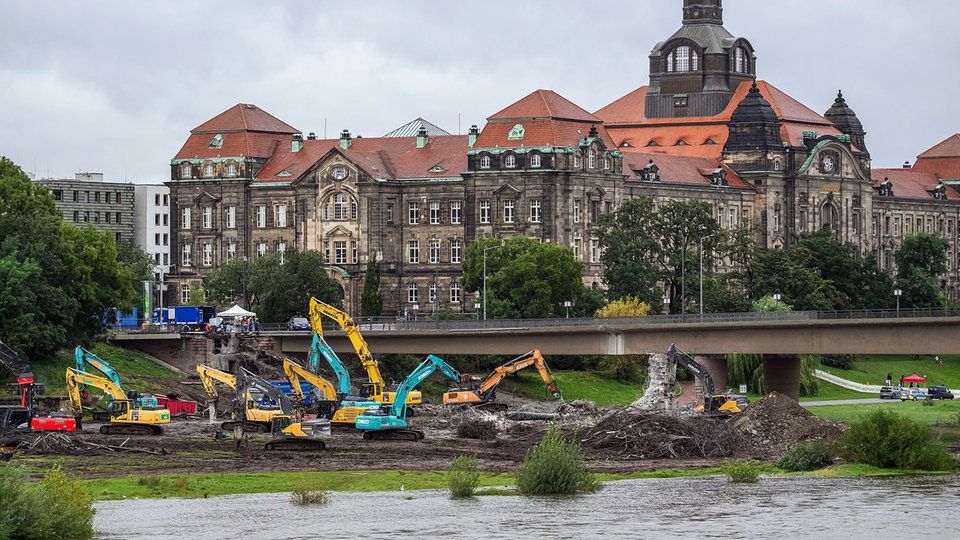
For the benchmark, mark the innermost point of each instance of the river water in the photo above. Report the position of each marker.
(708, 507)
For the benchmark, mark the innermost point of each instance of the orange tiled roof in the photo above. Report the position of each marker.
(393, 158)
(626, 122)
(245, 130)
(544, 104)
(911, 184)
(942, 160)
(548, 119)
(673, 169)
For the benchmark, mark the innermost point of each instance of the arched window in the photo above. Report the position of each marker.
(535, 160)
(741, 62)
(683, 58)
(510, 161)
(208, 170)
(185, 171)
(485, 162)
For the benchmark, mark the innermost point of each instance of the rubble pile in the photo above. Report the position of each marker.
(777, 422)
(658, 395)
(642, 434)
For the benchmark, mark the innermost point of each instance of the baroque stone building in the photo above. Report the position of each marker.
(246, 184)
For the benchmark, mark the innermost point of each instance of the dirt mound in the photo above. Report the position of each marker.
(642, 434)
(777, 422)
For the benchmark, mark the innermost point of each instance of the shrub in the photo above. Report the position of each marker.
(308, 492)
(839, 361)
(807, 456)
(889, 440)
(463, 476)
(747, 472)
(55, 507)
(555, 466)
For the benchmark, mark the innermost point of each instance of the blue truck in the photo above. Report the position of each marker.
(184, 318)
(121, 319)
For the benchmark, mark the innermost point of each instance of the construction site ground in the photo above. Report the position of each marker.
(614, 440)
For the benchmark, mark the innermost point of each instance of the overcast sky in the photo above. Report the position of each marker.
(116, 86)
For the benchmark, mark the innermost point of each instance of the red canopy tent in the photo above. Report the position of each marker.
(914, 378)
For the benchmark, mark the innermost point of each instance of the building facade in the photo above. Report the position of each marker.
(87, 199)
(246, 184)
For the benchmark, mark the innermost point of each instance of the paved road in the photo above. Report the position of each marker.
(846, 402)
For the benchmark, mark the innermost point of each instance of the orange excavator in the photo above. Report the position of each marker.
(484, 394)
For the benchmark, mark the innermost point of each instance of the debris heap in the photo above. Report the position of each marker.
(641, 434)
(658, 396)
(776, 422)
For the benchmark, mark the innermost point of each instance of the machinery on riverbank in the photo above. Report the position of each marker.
(83, 358)
(253, 408)
(27, 412)
(483, 395)
(376, 388)
(390, 423)
(126, 417)
(340, 413)
(713, 404)
(288, 433)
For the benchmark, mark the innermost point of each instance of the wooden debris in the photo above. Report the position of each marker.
(642, 434)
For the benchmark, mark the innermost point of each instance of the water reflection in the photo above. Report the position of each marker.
(800, 507)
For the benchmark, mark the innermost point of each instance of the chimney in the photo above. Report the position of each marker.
(297, 142)
(473, 134)
(422, 137)
(345, 139)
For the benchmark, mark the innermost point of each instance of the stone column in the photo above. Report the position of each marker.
(781, 373)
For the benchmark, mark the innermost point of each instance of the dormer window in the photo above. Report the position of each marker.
(683, 59)
(576, 161)
(216, 141)
(231, 169)
(208, 170)
(510, 161)
(650, 172)
(741, 62)
(186, 171)
(592, 159)
(535, 160)
(485, 161)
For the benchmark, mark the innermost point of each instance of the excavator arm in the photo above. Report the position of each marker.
(208, 376)
(318, 348)
(75, 379)
(424, 370)
(20, 367)
(532, 358)
(713, 404)
(318, 308)
(246, 380)
(84, 357)
(295, 371)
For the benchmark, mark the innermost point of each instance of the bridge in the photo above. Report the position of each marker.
(780, 337)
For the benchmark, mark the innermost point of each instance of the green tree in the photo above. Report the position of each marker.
(862, 284)
(792, 274)
(525, 278)
(225, 286)
(920, 259)
(371, 299)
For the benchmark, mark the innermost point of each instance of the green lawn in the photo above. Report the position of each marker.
(129, 365)
(938, 412)
(873, 369)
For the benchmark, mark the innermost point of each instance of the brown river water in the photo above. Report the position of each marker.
(708, 507)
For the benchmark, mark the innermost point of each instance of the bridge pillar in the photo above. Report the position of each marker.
(781, 373)
(716, 366)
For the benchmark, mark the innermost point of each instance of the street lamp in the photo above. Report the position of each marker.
(702, 238)
(476, 309)
(666, 305)
(435, 248)
(776, 302)
(485, 250)
(897, 293)
(244, 283)
(566, 304)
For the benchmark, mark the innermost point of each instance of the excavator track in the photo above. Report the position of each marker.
(252, 427)
(131, 429)
(493, 407)
(394, 435)
(294, 444)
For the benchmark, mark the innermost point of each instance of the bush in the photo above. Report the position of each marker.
(807, 456)
(308, 492)
(463, 476)
(839, 361)
(889, 440)
(555, 466)
(747, 472)
(55, 507)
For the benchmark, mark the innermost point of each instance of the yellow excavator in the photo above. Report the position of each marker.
(375, 389)
(340, 414)
(254, 413)
(127, 416)
(713, 404)
(482, 396)
(289, 432)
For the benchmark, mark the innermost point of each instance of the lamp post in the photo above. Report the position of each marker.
(476, 309)
(776, 302)
(683, 279)
(485, 250)
(897, 293)
(702, 238)
(666, 305)
(566, 304)
(436, 277)
(243, 280)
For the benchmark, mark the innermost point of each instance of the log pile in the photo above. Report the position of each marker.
(641, 434)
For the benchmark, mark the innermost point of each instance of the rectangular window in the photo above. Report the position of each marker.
(106, 217)
(231, 217)
(389, 213)
(166, 200)
(856, 224)
(594, 251)
(207, 217)
(156, 219)
(96, 217)
(354, 256)
(577, 249)
(456, 248)
(281, 217)
(165, 221)
(156, 239)
(413, 217)
(76, 216)
(96, 196)
(435, 213)
(231, 251)
(118, 217)
(433, 293)
(261, 216)
(576, 211)
(86, 216)
(166, 259)
(208, 254)
(455, 293)
(484, 211)
(412, 294)
(185, 294)
(186, 255)
(535, 211)
(262, 249)
(340, 252)
(166, 239)
(413, 251)
(455, 212)
(434, 251)
(508, 211)
(185, 218)
(282, 251)
(156, 199)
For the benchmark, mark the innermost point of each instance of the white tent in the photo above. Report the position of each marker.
(236, 311)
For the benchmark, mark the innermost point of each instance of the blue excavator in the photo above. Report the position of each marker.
(83, 358)
(390, 423)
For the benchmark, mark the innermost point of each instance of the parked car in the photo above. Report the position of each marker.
(912, 394)
(890, 392)
(939, 392)
(298, 323)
